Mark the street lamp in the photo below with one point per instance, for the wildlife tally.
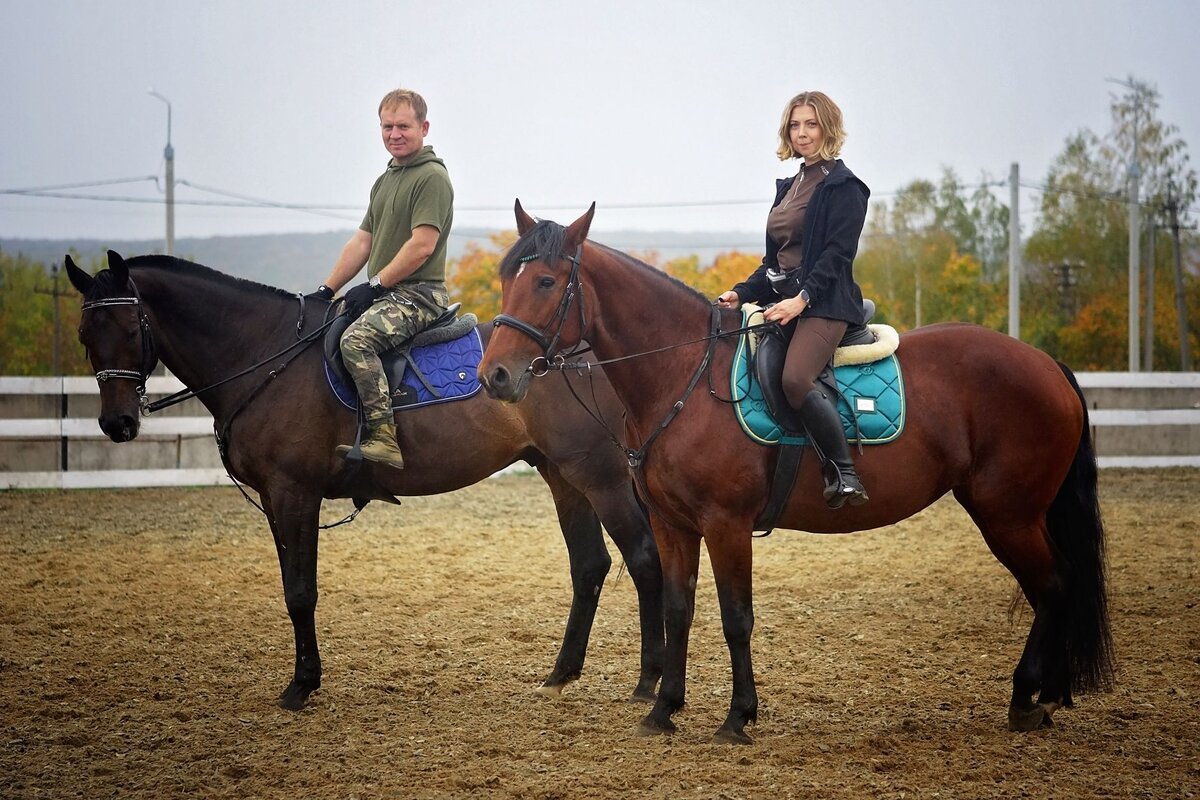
(169, 156)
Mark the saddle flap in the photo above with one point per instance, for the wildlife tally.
(768, 369)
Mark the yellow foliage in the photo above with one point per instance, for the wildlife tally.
(474, 279)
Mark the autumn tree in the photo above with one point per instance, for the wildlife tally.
(474, 279)
(935, 254)
(1077, 260)
(28, 294)
(726, 270)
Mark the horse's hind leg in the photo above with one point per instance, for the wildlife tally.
(1042, 670)
(294, 518)
(590, 563)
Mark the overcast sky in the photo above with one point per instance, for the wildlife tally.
(648, 103)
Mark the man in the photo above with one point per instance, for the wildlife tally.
(402, 242)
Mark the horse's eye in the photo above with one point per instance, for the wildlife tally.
(545, 282)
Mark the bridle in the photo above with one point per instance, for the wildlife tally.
(149, 354)
(549, 344)
(551, 359)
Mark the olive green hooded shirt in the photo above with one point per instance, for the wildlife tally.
(409, 194)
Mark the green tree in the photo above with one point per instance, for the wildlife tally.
(1083, 232)
(935, 254)
(27, 320)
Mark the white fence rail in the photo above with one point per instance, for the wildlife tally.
(49, 437)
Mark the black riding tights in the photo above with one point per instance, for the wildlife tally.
(813, 342)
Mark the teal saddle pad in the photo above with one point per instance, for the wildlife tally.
(874, 390)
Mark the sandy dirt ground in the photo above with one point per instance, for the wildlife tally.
(143, 641)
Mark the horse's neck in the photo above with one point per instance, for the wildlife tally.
(638, 312)
(205, 331)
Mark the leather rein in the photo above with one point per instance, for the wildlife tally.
(150, 360)
(551, 359)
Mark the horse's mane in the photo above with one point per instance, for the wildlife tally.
(179, 266)
(545, 240)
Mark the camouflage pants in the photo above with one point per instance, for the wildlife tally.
(397, 316)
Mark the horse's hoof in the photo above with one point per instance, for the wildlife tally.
(652, 727)
(730, 736)
(643, 694)
(551, 692)
(1022, 720)
(294, 697)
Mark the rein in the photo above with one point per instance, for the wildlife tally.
(150, 359)
(552, 360)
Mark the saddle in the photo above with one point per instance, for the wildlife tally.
(408, 383)
(772, 350)
(862, 343)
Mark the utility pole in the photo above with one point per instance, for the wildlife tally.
(1148, 342)
(1185, 349)
(169, 157)
(56, 362)
(1135, 237)
(1014, 253)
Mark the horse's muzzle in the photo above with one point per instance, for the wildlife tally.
(120, 427)
(500, 384)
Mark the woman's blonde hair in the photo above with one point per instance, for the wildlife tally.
(829, 117)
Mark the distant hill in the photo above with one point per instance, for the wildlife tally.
(300, 261)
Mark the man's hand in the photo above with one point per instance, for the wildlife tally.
(323, 292)
(360, 298)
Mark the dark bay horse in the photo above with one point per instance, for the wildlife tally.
(997, 422)
(279, 427)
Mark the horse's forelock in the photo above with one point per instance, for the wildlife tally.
(545, 240)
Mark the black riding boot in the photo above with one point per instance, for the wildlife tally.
(824, 427)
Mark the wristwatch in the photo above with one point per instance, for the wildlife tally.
(376, 284)
(805, 296)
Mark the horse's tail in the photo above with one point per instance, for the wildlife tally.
(1077, 530)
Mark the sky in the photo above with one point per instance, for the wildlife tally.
(664, 112)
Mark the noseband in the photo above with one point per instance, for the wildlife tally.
(549, 344)
(149, 355)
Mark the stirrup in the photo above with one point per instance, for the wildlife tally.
(838, 492)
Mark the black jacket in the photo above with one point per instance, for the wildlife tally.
(834, 221)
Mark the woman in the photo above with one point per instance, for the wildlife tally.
(812, 237)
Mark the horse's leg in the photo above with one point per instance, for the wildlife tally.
(293, 516)
(626, 522)
(590, 563)
(1025, 550)
(730, 551)
(679, 552)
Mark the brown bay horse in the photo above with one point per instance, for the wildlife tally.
(278, 427)
(994, 421)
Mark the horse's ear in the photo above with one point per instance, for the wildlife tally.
(524, 221)
(578, 230)
(116, 265)
(79, 279)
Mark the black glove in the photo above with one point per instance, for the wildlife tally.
(360, 298)
(323, 292)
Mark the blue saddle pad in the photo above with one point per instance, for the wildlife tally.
(435, 373)
(874, 390)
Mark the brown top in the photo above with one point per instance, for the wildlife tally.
(785, 223)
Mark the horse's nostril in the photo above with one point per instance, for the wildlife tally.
(500, 377)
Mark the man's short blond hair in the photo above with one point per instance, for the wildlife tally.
(405, 97)
(829, 117)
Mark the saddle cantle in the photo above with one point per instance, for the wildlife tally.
(437, 365)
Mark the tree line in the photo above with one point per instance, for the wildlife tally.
(937, 252)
